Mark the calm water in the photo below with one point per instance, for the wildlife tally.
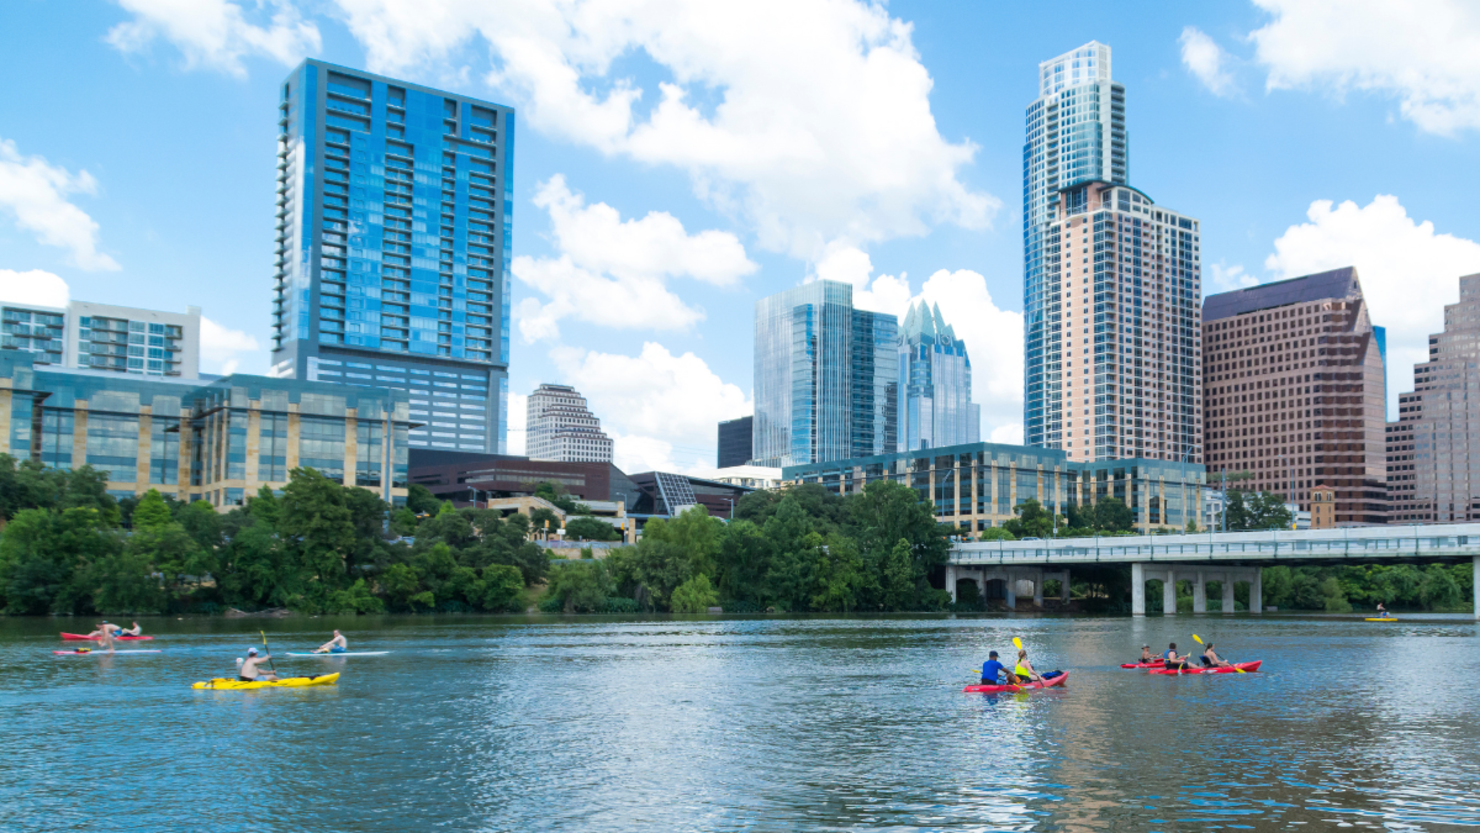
(744, 724)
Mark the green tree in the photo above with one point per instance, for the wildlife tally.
(1112, 515)
(587, 528)
(899, 581)
(557, 494)
(996, 533)
(743, 559)
(581, 586)
(151, 512)
(502, 589)
(696, 595)
(838, 577)
(1032, 521)
(318, 524)
(45, 556)
(421, 501)
(544, 520)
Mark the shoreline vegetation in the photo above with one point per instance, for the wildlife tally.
(69, 548)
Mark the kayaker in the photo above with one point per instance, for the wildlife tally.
(1210, 658)
(1146, 657)
(992, 671)
(1024, 669)
(250, 672)
(1170, 658)
(134, 631)
(337, 645)
(1381, 611)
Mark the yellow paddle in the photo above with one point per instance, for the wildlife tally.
(267, 651)
(1236, 668)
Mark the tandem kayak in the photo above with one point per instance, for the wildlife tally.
(340, 654)
(1233, 669)
(1158, 664)
(94, 652)
(994, 689)
(225, 684)
(73, 637)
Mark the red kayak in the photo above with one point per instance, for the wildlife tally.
(83, 636)
(1159, 663)
(994, 689)
(1234, 669)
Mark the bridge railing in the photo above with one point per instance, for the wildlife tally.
(1432, 541)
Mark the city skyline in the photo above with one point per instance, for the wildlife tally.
(1294, 169)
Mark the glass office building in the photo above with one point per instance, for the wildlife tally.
(935, 384)
(392, 266)
(1075, 133)
(826, 377)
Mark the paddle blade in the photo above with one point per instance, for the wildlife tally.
(1197, 638)
(1018, 643)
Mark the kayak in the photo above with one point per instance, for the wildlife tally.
(73, 637)
(994, 689)
(224, 684)
(1157, 664)
(1234, 669)
(89, 652)
(340, 654)
(1388, 619)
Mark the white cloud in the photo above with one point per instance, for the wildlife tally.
(221, 348)
(1426, 53)
(660, 410)
(35, 194)
(1204, 59)
(613, 273)
(518, 423)
(849, 264)
(42, 289)
(810, 119)
(1408, 271)
(216, 33)
(1225, 278)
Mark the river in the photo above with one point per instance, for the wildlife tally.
(755, 724)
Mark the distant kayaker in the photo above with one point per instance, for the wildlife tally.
(1171, 659)
(1210, 658)
(1146, 657)
(134, 631)
(1024, 669)
(337, 645)
(1382, 612)
(250, 672)
(992, 671)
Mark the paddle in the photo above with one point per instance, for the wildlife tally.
(1236, 668)
(268, 651)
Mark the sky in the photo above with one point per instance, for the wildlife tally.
(675, 162)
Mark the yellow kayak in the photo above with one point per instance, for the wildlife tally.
(1388, 619)
(224, 684)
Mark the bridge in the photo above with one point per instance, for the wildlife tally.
(1227, 558)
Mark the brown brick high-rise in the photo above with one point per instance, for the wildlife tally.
(1294, 392)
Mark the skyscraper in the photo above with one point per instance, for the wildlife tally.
(105, 337)
(735, 438)
(1075, 134)
(1433, 448)
(393, 247)
(826, 385)
(934, 384)
(1293, 374)
(561, 427)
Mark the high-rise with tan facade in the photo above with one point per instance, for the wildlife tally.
(1433, 449)
(1295, 392)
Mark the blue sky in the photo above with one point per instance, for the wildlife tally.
(675, 162)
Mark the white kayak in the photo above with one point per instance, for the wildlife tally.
(340, 654)
(98, 652)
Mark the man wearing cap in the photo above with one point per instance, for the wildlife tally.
(250, 672)
(1146, 657)
(992, 669)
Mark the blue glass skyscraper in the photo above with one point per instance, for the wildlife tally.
(392, 258)
(934, 384)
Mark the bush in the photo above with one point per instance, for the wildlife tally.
(694, 596)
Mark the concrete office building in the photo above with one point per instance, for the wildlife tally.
(1293, 374)
(826, 377)
(1076, 133)
(935, 407)
(393, 247)
(976, 486)
(1433, 448)
(561, 427)
(735, 442)
(105, 337)
(1123, 281)
(217, 441)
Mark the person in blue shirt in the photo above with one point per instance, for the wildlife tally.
(992, 670)
(1172, 660)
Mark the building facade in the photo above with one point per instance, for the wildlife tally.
(977, 486)
(734, 442)
(1293, 375)
(1076, 133)
(393, 247)
(561, 427)
(217, 441)
(1433, 448)
(826, 377)
(105, 337)
(935, 407)
(1123, 376)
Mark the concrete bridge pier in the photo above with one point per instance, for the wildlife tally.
(1256, 591)
(1476, 569)
(1138, 588)
(1228, 592)
(1169, 594)
(1200, 593)
(1038, 589)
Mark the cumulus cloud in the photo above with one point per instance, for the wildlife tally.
(216, 33)
(1408, 270)
(1224, 278)
(994, 340)
(809, 119)
(613, 273)
(1205, 60)
(222, 348)
(1425, 53)
(38, 288)
(850, 264)
(34, 193)
(659, 409)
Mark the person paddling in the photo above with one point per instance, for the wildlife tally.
(250, 672)
(337, 645)
(1382, 612)
(134, 631)
(1210, 658)
(1146, 657)
(1172, 660)
(1024, 669)
(993, 671)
